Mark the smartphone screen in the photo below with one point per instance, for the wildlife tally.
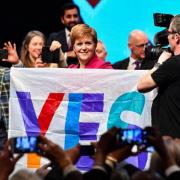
(135, 136)
(87, 150)
(25, 144)
(131, 136)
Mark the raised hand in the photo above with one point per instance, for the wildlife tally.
(7, 161)
(12, 53)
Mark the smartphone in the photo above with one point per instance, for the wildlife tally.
(87, 150)
(135, 136)
(25, 144)
(4, 55)
(131, 136)
(48, 56)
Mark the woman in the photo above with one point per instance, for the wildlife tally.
(84, 41)
(101, 51)
(31, 50)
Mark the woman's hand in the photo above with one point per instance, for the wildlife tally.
(39, 63)
(12, 53)
(55, 45)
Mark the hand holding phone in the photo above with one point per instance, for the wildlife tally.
(135, 136)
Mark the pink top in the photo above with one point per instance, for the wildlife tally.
(94, 63)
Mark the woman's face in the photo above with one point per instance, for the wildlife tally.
(35, 47)
(84, 49)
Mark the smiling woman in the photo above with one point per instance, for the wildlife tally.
(84, 41)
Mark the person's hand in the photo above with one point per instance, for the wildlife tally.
(108, 141)
(105, 145)
(71, 54)
(55, 45)
(12, 53)
(74, 153)
(43, 170)
(54, 152)
(122, 152)
(7, 161)
(155, 138)
(164, 56)
(39, 64)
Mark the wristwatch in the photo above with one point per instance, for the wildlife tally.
(157, 65)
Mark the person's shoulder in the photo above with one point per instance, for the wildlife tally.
(53, 34)
(118, 64)
(105, 65)
(121, 61)
(176, 57)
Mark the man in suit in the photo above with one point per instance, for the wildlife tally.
(70, 16)
(137, 41)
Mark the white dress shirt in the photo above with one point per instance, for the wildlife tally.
(131, 65)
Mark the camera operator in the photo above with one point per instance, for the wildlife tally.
(166, 76)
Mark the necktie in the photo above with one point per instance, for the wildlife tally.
(69, 42)
(137, 64)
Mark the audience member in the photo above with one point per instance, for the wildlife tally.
(156, 162)
(109, 151)
(101, 50)
(70, 16)
(84, 42)
(166, 153)
(165, 75)
(4, 104)
(137, 41)
(31, 50)
(4, 93)
(7, 161)
(63, 159)
(24, 174)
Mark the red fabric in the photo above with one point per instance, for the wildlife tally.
(94, 63)
(93, 2)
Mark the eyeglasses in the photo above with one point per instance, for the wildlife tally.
(170, 32)
(141, 45)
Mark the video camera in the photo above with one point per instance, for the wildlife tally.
(160, 38)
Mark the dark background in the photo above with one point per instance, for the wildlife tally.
(20, 16)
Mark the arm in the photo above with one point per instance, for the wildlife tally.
(62, 59)
(146, 83)
(7, 161)
(56, 154)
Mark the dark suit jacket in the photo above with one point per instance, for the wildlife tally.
(146, 64)
(61, 37)
(58, 36)
(174, 176)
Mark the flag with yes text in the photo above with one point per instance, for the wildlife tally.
(71, 106)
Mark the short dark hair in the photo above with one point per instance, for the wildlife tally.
(68, 6)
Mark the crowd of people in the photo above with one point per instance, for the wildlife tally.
(109, 157)
(79, 47)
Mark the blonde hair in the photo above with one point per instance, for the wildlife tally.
(81, 31)
(24, 48)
